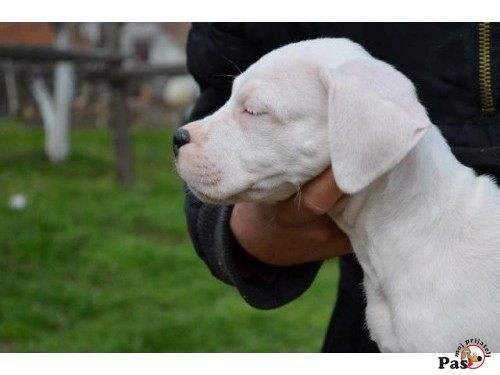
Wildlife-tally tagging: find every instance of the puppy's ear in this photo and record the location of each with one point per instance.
(374, 120)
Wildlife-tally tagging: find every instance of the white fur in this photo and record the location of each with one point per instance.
(424, 227)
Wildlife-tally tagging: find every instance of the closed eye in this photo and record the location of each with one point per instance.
(253, 112)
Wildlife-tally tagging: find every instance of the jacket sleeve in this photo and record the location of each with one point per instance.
(215, 53)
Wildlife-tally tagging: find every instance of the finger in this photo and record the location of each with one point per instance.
(317, 198)
(319, 195)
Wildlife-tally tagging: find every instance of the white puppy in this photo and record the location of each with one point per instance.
(425, 228)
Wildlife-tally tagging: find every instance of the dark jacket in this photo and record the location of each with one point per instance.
(456, 70)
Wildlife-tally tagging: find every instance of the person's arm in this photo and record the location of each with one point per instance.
(271, 253)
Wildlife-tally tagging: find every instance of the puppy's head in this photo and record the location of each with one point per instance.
(294, 112)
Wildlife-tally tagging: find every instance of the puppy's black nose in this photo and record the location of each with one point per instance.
(181, 137)
(479, 358)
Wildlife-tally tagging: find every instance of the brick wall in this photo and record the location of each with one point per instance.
(27, 33)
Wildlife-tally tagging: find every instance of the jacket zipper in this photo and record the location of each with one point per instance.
(487, 103)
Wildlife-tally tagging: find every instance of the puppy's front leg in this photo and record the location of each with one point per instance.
(378, 318)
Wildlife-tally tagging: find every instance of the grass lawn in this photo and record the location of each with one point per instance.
(89, 266)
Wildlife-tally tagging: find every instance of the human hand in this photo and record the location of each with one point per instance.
(294, 231)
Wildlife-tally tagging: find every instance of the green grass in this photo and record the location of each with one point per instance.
(89, 266)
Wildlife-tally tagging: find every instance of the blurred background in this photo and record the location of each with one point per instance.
(94, 251)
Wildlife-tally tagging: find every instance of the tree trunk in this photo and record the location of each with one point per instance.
(56, 109)
(11, 88)
(46, 106)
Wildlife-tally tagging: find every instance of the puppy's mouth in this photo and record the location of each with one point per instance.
(243, 195)
(215, 187)
(248, 194)
(203, 197)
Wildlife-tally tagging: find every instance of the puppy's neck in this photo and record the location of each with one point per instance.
(429, 169)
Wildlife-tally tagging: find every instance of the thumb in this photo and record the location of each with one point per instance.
(316, 198)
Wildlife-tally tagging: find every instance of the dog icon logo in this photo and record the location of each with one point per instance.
(470, 354)
(474, 355)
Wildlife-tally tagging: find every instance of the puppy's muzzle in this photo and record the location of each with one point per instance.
(181, 137)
